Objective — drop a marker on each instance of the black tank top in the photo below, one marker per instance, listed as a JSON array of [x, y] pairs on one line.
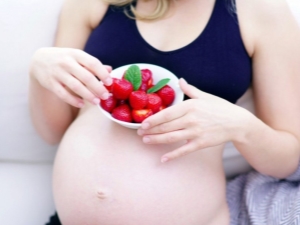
[[216, 62]]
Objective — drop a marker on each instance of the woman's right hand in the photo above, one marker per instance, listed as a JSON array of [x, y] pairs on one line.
[[70, 74]]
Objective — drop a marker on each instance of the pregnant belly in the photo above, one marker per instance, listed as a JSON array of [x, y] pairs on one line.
[[105, 175]]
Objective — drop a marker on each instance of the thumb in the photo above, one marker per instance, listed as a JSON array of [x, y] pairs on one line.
[[188, 89]]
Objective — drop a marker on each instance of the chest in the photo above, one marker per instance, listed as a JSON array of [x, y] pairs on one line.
[[180, 26], [215, 61]]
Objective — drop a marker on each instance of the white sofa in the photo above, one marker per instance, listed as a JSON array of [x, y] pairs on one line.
[[25, 160], [295, 8]]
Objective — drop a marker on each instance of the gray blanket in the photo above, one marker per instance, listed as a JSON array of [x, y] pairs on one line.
[[257, 199]]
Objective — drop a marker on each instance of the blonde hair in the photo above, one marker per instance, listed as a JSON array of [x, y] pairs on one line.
[[160, 10]]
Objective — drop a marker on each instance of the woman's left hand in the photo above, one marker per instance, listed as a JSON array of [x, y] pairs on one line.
[[202, 121]]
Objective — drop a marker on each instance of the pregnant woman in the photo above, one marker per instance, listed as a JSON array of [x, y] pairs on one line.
[[170, 171]]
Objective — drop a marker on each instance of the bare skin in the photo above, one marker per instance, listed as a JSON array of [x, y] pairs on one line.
[[107, 174], [109, 179]]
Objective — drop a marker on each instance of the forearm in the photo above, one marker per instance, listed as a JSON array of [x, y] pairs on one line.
[[53, 111], [50, 115], [269, 151]]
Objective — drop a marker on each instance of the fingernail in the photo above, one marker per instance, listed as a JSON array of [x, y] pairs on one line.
[[108, 81], [80, 104], [140, 132], [145, 125], [105, 96], [146, 140], [96, 101], [164, 159], [183, 80]]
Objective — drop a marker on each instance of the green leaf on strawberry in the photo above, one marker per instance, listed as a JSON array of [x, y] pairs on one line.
[[134, 76], [159, 85]]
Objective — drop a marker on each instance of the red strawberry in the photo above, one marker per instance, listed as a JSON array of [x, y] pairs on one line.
[[138, 99], [167, 95], [110, 87], [122, 113], [154, 102], [150, 83], [162, 107], [122, 102], [150, 86], [121, 89], [147, 76], [143, 87], [109, 104], [139, 115]]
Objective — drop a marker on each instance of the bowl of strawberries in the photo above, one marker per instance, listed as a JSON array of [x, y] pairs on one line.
[[139, 91]]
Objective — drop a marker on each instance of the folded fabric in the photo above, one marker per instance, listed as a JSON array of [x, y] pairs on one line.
[[257, 199]]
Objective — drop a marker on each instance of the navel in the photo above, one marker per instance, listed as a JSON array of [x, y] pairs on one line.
[[104, 194], [101, 195]]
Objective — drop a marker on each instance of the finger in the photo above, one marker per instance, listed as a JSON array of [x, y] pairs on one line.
[[191, 146], [89, 80], [168, 138], [66, 96], [185, 149], [189, 90], [176, 124], [166, 115], [78, 88], [94, 66], [108, 68]]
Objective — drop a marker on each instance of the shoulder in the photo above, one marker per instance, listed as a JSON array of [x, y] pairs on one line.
[[89, 12], [263, 6], [80, 18], [265, 13], [261, 19]]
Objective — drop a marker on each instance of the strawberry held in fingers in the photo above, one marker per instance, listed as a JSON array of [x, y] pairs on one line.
[[121, 89], [110, 87], [139, 115], [123, 113], [109, 104], [138, 99]]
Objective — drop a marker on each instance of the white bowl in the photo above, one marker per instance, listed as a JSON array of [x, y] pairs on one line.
[[158, 73]]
